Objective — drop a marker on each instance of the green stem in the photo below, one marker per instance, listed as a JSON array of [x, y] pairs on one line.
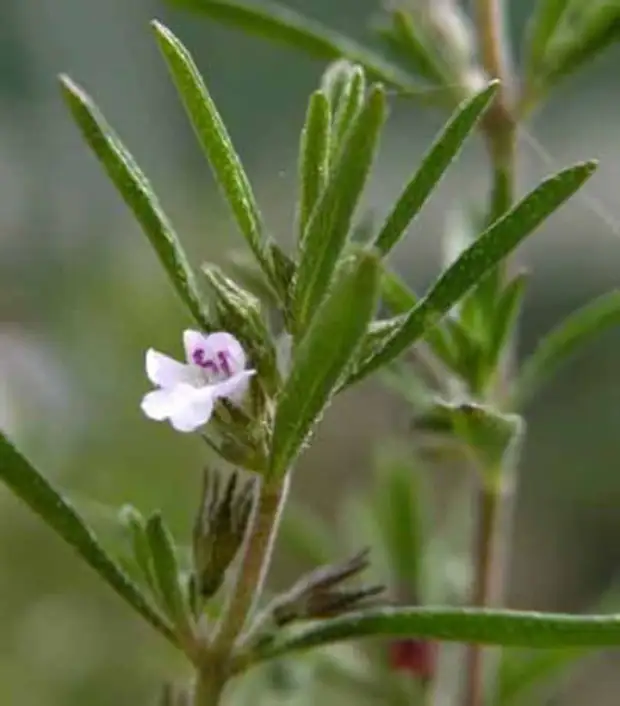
[[503, 155], [490, 544], [209, 685], [492, 533], [254, 565]]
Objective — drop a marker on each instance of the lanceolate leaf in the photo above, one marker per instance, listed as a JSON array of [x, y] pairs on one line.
[[313, 157], [215, 141], [400, 299], [335, 81], [138, 195], [349, 106], [135, 526], [544, 21], [398, 501], [323, 355], [395, 293], [43, 499], [486, 252], [575, 331], [284, 268], [505, 318], [414, 48], [434, 165], [330, 224], [522, 671], [594, 29], [166, 569], [488, 627], [279, 23]]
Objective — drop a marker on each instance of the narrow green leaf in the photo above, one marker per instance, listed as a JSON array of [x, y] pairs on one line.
[[135, 526], [482, 626], [505, 317], [284, 271], [242, 265], [398, 500], [395, 294], [400, 299], [279, 23], [215, 142], [594, 29], [405, 382], [137, 194], [334, 81], [43, 499], [313, 157], [578, 329], [166, 570], [543, 23], [522, 670], [410, 45], [330, 223], [378, 334], [489, 249], [323, 355], [348, 108], [467, 353], [434, 165]]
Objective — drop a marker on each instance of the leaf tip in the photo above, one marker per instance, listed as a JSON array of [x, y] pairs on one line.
[[160, 29], [70, 87], [76, 98]]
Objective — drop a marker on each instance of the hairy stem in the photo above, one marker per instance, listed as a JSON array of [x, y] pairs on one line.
[[484, 592], [492, 532], [255, 563], [491, 38], [499, 126], [209, 684]]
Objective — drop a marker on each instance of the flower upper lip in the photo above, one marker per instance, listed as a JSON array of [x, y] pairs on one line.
[[187, 392]]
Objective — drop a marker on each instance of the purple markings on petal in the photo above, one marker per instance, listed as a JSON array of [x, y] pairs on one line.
[[222, 356], [199, 358], [220, 366]]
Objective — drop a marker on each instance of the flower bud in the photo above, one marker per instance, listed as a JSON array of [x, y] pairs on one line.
[[219, 530], [319, 593]]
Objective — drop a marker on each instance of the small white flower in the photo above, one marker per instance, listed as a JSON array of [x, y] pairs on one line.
[[187, 392]]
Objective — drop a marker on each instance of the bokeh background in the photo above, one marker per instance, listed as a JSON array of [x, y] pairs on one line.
[[82, 296]]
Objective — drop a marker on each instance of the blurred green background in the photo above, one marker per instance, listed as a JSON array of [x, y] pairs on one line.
[[81, 297]]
